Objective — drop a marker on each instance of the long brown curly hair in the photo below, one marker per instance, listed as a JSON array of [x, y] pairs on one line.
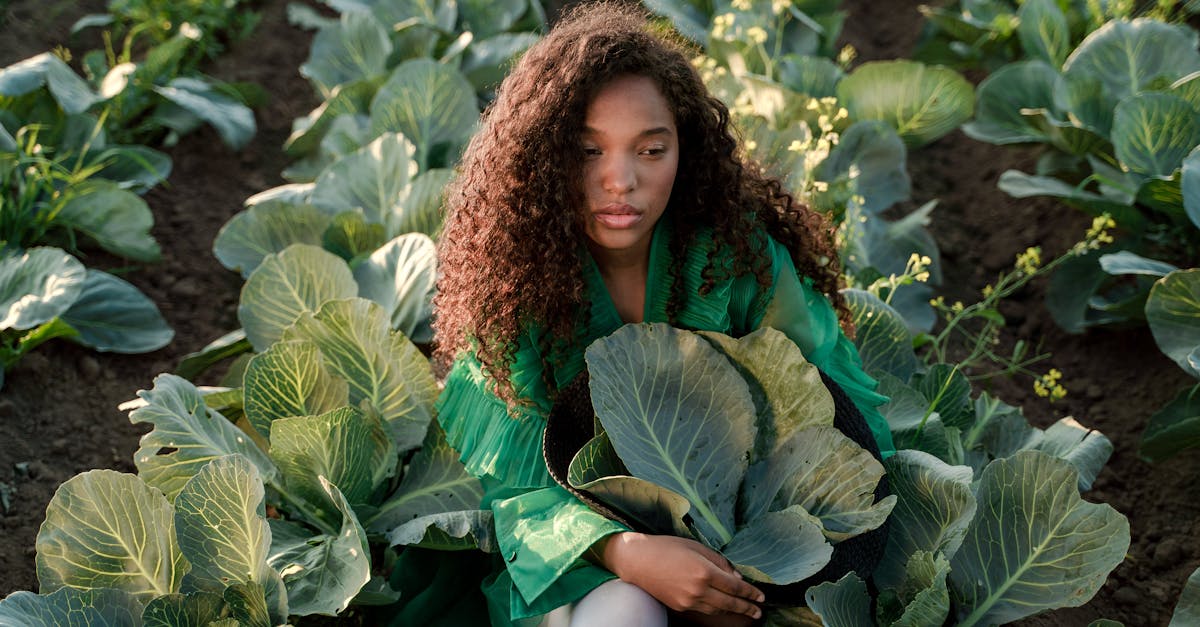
[[510, 249]]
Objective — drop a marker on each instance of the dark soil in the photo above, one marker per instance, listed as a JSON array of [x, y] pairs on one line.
[[58, 408]]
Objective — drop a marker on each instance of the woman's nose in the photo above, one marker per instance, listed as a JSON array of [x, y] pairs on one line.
[[620, 176]]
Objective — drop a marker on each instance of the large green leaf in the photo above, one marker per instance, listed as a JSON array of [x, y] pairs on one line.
[[384, 369], [434, 482], [786, 388], [344, 446], [486, 61], [421, 210], [69, 91], [949, 394], [1187, 611], [1003, 98], [229, 345], [296, 281], [488, 17], [827, 474], [233, 120], [1085, 449], [597, 469], [267, 228], [402, 277], [137, 168], [429, 103], [923, 597], [882, 339], [678, 414], [351, 237], [68, 607], [1043, 31], [220, 519], [353, 49], [111, 315], [844, 603], [1173, 428], [688, 18], [349, 99], [816, 77], [1127, 262], [117, 219], [38, 286], [933, 508], [290, 379], [1173, 312], [448, 531], [374, 178], [193, 434], [1125, 56], [198, 609], [105, 529], [870, 153], [1190, 185], [322, 573], [780, 547], [1034, 543], [922, 103], [1153, 132]]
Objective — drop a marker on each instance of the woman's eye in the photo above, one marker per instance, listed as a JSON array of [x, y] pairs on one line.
[[657, 151], [590, 151]]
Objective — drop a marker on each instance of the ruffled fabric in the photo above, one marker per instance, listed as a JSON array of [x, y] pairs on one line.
[[492, 442]]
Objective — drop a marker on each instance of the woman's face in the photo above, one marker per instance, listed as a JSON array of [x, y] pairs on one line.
[[631, 152]]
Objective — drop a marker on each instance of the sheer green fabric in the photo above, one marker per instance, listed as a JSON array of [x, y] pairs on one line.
[[544, 531]]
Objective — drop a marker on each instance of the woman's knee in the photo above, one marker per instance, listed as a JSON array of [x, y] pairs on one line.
[[618, 603]]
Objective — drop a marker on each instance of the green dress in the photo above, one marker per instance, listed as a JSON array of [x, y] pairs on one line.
[[542, 530]]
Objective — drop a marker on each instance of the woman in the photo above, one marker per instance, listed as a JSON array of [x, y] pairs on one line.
[[605, 186]]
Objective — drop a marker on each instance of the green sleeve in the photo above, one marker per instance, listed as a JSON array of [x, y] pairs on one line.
[[543, 530], [543, 535], [807, 317]]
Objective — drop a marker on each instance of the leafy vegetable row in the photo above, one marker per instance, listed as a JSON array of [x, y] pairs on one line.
[[72, 167], [1116, 104]]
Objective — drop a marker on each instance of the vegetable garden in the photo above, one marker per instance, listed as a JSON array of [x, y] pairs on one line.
[[216, 265]]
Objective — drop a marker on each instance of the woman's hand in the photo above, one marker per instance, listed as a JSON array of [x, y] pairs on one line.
[[682, 574]]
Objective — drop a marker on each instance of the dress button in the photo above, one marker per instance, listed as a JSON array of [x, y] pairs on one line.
[[512, 557]]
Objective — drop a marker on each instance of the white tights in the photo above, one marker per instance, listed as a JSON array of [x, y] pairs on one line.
[[613, 604]]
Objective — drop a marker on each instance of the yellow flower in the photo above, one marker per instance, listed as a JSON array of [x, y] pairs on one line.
[[1029, 261], [779, 6], [987, 291], [756, 34], [741, 5], [1047, 385]]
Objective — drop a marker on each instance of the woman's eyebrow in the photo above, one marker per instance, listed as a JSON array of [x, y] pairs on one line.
[[657, 130]]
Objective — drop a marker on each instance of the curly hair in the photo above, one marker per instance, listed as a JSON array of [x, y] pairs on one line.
[[510, 211]]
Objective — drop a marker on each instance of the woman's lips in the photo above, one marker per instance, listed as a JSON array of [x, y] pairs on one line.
[[618, 216]]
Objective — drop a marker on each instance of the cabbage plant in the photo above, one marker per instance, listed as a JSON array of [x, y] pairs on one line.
[[46, 293], [990, 33], [988, 525], [332, 413], [1124, 143], [727, 441], [115, 551]]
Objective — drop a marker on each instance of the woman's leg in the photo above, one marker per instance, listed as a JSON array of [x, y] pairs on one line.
[[612, 603]]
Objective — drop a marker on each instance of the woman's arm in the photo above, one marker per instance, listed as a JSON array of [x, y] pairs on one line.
[[682, 574]]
